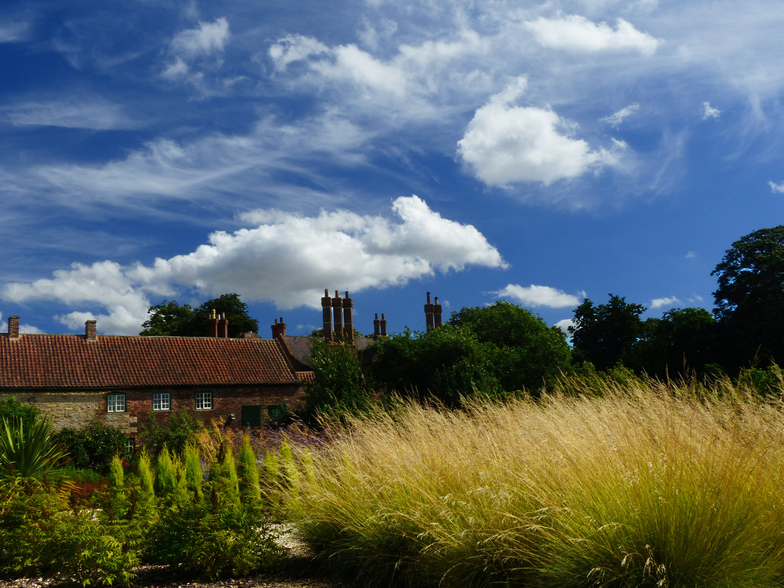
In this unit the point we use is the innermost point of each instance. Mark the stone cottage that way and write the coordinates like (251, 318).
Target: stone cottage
(119, 380)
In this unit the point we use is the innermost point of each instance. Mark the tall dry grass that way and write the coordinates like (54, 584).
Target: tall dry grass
(631, 486)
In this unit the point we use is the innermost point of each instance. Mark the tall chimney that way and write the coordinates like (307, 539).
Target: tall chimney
(376, 327)
(223, 326)
(13, 327)
(89, 330)
(337, 316)
(429, 314)
(279, 329)
(383, 325)
(326, 310)
(348, 319)
(437, 314)
(211, 326)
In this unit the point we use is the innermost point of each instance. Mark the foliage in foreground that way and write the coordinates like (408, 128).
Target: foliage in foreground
(211, 529)
(27, 449)
(631, 485)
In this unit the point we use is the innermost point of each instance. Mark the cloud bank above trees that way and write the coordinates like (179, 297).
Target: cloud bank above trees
(286, 259)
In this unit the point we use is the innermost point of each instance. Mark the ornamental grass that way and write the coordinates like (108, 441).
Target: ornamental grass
(634, 484)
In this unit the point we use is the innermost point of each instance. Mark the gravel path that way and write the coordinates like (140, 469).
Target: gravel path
(299, 572)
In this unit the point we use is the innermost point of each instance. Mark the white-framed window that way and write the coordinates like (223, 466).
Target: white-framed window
(130, 446)
(161, 401)
(115, 402)
(203, 400)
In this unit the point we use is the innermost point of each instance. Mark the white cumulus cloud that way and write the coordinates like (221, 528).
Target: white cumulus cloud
(577, 33)
(662, 302)
(709, 111)
(564, 326)
(776, 188)
(505, 143)
(539, 296)
(286, 260)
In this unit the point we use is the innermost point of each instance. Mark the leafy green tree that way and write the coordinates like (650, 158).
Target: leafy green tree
(235, 310)
(445, 363)
(606, 334)
(681, 341)
(527, 353)
(750, 299)
(171, 319)
(174, 320)
(340, 382)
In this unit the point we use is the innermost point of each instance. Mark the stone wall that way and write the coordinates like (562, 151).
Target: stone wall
(78, 409)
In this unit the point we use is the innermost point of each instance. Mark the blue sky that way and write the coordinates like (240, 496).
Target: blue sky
(539, 152)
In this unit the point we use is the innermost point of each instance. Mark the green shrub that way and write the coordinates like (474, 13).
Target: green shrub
(194, 474)
(248, 473)
(181, 428)
(28, 450)
(92, 447)
(41, 536)
(12, 409)
(216, 537)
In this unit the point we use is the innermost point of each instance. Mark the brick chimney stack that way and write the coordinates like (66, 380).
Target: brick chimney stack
(89, 330)
(376, 327)
(13, 327)
(348, 319)
(437, 314)
(429, 314)
(211, 326)
(279, 329)
(383, 325)
(326, 309)
(223, 326)
(337, 316)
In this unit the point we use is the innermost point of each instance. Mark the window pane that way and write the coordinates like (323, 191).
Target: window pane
(203, 400)
(115, 403)
(161, 401)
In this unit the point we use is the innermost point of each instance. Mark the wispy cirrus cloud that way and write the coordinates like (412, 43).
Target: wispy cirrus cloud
(91, 113)
(359, 251)
(616, 119)
(13, 32)
(196, 45)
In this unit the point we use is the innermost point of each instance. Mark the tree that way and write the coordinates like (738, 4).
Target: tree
(750, 299)
(339, 383)
(491, 350)
(445, 363)
(527, 353)
(682, 340)
(172, 319)
(606, 334)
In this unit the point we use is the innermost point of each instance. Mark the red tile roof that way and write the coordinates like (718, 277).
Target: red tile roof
(71, 361)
